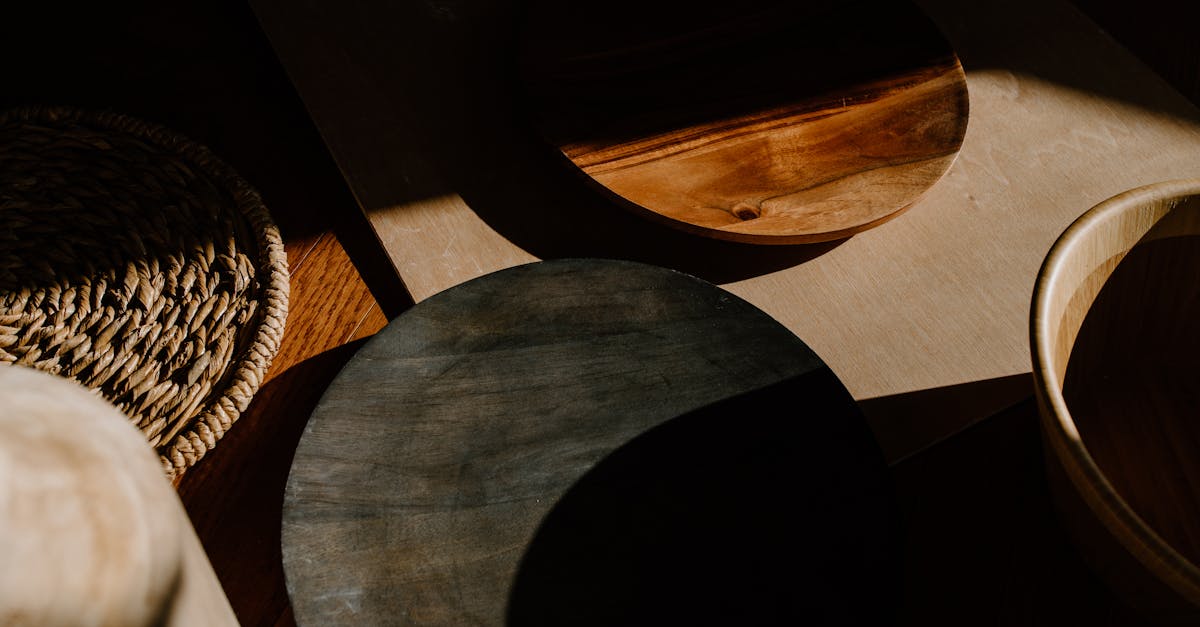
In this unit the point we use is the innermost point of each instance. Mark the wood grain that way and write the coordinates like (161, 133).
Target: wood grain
(763, 121)
(207, 71)
(235, 499)
(1061, 118)
(1114, 362)
(587, 442)
(83, 551)
(199, 69)
(1131, 386)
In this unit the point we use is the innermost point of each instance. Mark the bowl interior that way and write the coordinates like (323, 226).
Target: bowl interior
(1116, 350)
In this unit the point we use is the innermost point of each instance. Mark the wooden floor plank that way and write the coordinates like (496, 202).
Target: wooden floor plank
(235, 496)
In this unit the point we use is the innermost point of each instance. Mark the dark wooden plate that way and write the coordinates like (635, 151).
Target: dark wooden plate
(588, 442)
(764, 121)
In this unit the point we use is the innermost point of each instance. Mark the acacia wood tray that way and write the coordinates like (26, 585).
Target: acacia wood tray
(760, 121)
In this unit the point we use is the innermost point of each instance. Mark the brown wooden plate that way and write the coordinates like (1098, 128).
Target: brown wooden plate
(586, 442)
(763, 121)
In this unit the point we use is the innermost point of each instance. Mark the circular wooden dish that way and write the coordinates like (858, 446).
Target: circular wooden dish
(1116, 357)
(583, 442)
(763, 121)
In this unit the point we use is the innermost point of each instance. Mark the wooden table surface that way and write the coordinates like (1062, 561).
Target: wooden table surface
(983, 545)
(924, 317)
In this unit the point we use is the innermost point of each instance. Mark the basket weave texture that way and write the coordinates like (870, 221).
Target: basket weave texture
(136, 263)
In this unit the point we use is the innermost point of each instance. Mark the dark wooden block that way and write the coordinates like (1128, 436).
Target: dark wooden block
(588, 441)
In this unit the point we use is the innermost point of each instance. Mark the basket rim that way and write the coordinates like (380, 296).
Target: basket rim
(248, 369)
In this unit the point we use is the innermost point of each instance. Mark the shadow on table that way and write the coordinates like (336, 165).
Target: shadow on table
(773, 507)
(461, 104)
(984, 546)
(462, 130)
(905, 424)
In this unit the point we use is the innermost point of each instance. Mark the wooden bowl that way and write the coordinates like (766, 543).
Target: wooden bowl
(1115, 357)
(90, 530)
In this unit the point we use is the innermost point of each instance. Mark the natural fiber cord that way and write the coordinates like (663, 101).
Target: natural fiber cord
(136, 263)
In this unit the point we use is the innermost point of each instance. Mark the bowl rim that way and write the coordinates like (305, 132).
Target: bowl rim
(1127, 527)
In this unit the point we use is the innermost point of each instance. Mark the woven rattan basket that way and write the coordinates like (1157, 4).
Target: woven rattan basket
(136, 263)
